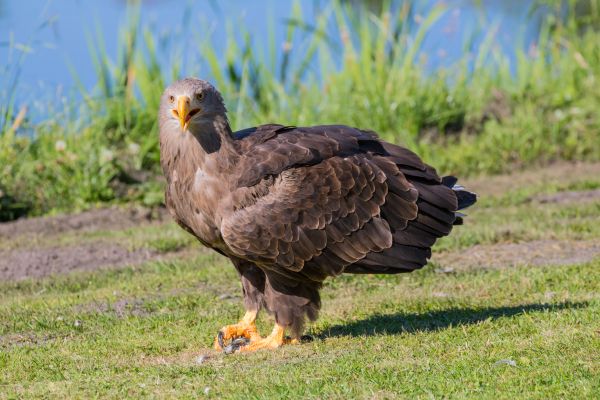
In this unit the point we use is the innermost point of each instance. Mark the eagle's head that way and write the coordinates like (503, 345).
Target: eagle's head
(190, 103)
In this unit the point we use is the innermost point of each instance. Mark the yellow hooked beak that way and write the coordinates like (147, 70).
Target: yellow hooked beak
(183, 111)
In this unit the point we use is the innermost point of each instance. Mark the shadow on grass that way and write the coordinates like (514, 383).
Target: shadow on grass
(392, 324)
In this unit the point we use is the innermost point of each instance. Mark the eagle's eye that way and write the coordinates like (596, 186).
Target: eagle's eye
(199, 96)
(171, 99)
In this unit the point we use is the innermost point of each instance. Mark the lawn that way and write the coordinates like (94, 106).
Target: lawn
(503, 325)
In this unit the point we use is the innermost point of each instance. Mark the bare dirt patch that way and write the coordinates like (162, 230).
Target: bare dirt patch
(558, 173)
(28, 339)
(36, 263)
(503, 255)
(27, 261)
(112, 218)
(120, 308)
(584, 196)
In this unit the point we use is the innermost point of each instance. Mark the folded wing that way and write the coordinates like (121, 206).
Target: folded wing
(316, 202)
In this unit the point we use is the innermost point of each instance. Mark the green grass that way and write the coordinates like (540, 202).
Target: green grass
(377, 337)
(472, 117)
(503, 332)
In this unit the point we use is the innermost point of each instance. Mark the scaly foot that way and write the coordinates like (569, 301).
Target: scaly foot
(273, 341)
(245, 329)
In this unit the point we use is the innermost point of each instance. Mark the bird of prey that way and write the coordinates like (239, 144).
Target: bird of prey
(292, 206)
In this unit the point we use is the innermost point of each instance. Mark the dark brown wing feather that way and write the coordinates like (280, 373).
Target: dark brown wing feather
(271, 149)
(324, 200)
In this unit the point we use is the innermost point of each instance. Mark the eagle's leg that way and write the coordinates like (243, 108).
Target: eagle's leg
(246, 328)
(253, 282)
(276, 339)
(291, 302)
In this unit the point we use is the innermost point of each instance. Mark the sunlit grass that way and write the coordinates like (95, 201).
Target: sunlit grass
(137, 333)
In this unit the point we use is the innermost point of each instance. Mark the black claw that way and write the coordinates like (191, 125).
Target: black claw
(235, 345)
(229, 349)
(220, 339)
(240, 342)
(306, 338)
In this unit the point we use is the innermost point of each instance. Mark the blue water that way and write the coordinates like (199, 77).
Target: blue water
(44, 41)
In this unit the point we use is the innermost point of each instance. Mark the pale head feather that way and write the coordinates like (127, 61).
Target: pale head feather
(203, 96)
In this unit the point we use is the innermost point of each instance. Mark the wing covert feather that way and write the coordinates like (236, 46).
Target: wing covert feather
(324, 211)
(322, 200)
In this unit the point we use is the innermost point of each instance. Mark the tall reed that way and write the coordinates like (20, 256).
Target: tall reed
(475, 116)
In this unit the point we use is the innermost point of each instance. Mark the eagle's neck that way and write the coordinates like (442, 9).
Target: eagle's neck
(212, 146)
(197, 165)
(214, 135)
(208, 146)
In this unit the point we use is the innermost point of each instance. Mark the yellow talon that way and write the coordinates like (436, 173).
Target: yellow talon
(246, 328)
(274, 340)
(244, 336)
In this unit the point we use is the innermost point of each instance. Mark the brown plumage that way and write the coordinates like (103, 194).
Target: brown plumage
(291, 206)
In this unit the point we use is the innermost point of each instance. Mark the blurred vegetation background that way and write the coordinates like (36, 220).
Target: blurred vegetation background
(360, 65)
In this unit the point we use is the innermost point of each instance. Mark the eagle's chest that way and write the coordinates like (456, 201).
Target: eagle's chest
(197, 198)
